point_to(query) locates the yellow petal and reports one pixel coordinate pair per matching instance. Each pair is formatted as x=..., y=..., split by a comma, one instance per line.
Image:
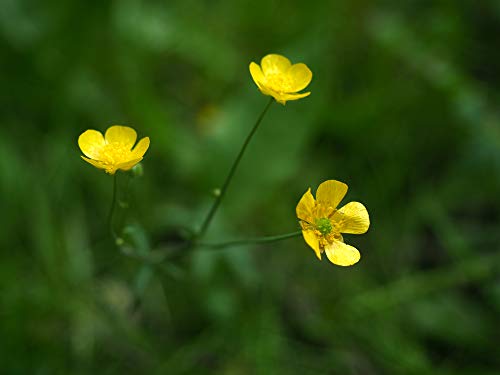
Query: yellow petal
x=331, y=192
x=274, y=64
x=266, y=90
x=299, y=76
x=123, y=135
x=313, y=241
x=342, y=254
x=95, y=163
x=140, y=148
x=352, y=218
x=257, y=75
x=283, y=98
x=128, y=164
x=305, y=207
x=91, y=142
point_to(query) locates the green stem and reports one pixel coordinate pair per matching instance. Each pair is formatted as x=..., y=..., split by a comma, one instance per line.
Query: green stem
x=112, y=209
x=229, y=177
x=249, y=241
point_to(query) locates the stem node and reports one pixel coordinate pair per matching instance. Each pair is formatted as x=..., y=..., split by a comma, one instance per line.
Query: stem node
x=229, y=177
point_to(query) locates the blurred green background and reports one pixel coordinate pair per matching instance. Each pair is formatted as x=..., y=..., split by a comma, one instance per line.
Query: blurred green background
x=405, y=108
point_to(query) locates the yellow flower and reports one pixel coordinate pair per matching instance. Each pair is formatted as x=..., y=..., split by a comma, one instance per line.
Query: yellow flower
x=277, y=77
x=322, y=223
x=114, y=150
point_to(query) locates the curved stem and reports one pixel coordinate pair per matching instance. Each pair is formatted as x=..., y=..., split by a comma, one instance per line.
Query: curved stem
x=267, y=239
x=112, y=209
x=229, y=177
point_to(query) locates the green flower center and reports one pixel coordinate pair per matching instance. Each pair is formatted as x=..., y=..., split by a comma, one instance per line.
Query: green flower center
x=324, y=225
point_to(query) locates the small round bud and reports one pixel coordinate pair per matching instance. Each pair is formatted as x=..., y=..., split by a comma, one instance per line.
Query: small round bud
x=216, y=192
x=123, y=204
x=137, y=170
x=119, y=241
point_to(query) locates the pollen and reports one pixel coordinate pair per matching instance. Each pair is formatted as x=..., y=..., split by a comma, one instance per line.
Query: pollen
x=115, y=150
x=276, y=76
x=323, y=223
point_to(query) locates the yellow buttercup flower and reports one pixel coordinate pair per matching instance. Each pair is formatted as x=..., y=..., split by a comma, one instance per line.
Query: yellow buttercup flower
x=114, y=150
x=277, y=77
x=323, y=224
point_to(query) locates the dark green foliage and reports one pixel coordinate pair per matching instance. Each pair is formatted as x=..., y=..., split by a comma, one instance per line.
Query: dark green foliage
x=405, y=109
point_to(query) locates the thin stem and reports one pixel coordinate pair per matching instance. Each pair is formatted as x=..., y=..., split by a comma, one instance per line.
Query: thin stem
x=249, y=241
x=112, y=209
x=229, y=177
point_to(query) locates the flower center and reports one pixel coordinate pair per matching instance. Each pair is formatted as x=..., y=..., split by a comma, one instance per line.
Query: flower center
x=324, y=225
x=278, y=82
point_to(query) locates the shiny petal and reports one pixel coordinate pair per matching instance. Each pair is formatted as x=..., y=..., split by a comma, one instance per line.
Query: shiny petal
x=270, y=92
x=274, y=64
x=91, y=142
x=95, y=163
x=128, y=164
x=283, y=98
x=342, y=254
x=122, y=135
x=299, y=76
x=331, y=192
x=305, y=207
x=313, y=241
x=257, y=75
x=140, y=148
x=352, y=218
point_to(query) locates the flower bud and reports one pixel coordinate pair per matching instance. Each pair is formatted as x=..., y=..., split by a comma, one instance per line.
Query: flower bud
x=137, y=170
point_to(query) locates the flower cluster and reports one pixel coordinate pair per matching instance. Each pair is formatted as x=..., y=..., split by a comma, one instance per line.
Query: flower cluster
x=322, y=223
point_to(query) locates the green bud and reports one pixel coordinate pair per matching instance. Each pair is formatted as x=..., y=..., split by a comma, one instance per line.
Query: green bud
x=137, y=170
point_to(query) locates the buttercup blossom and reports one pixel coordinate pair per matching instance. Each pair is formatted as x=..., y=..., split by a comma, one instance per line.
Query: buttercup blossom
x=323, y=224
x=113, y=151
x=277, y=77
